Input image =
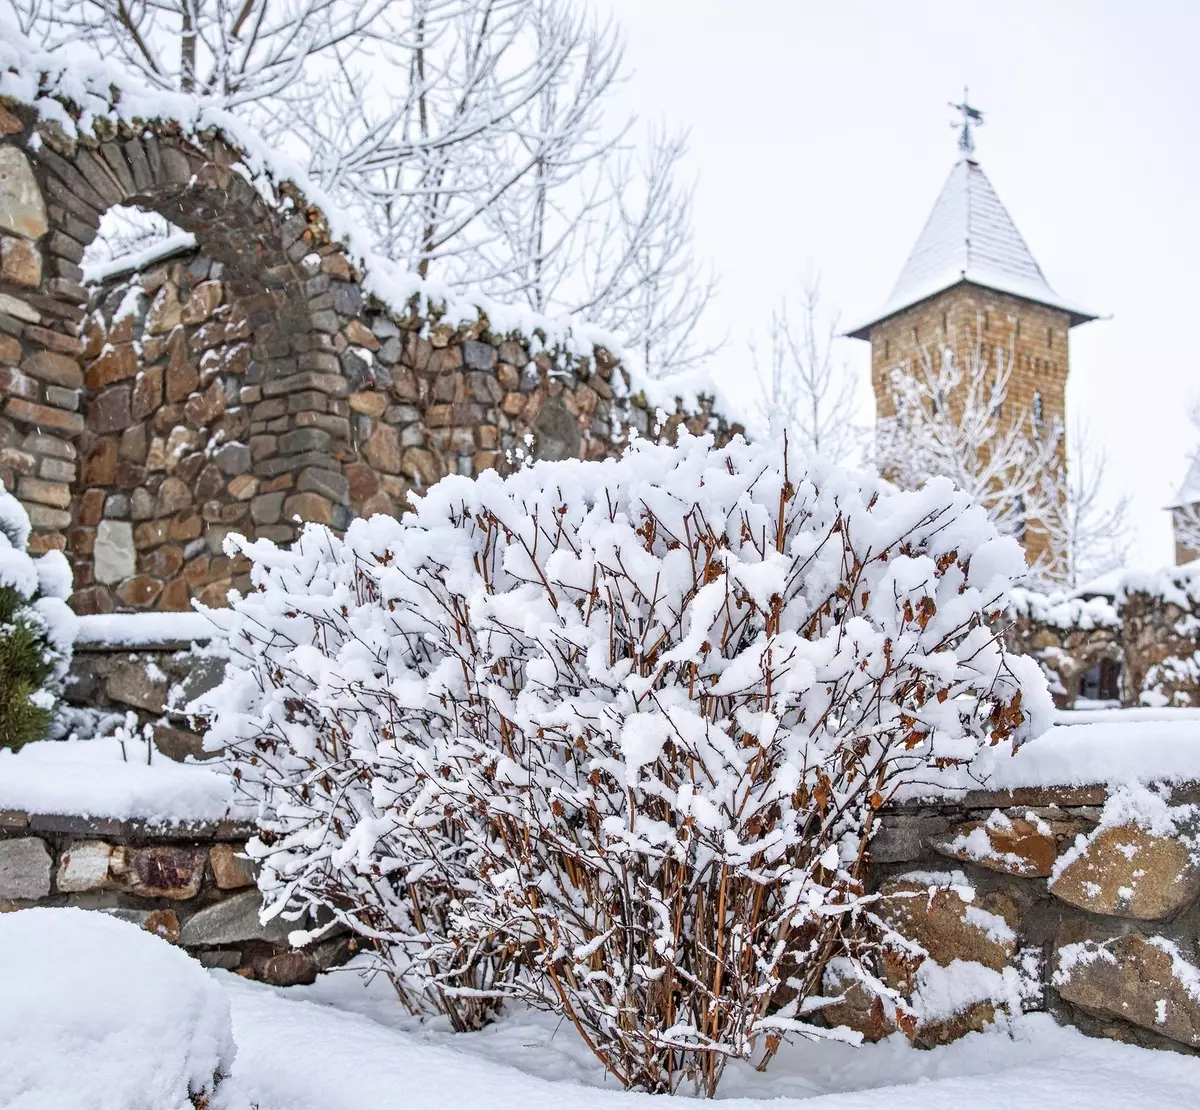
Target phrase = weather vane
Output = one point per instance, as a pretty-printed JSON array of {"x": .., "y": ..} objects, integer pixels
[{"x": 971, "y": 117}]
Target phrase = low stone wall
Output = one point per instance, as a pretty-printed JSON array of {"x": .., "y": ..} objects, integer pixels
[
  {"x": 153, "y": 680},
  {"x": 1100, "y": 925},
  {"x": 187, "y": 884}
]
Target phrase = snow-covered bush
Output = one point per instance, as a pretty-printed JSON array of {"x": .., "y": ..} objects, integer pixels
[
  {"x": 98, "y": 1012},
  {"x": 36, "y": 629},
  {"x": 628, "y": 722}
]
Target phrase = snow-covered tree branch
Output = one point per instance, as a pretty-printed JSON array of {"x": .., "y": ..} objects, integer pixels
[
  {"x": 952, "y": 416},
  {"x": 1088, "y": 532},
  {"x": 805, "y": 390},
  {"x": 477, "y": 140}
]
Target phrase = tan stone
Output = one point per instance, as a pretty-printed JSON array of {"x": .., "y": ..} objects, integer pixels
[
  {"x": 9, "y": 124},
  {"x": 22, "y": 209},
  {"x": 173, "y": 495},
  {"x": 361, "y": 336},
  {"x": 421, "y": 465},
  {"x": 1132, "y": 978},
  {"x": 371, "y": 404},
  {"x": 230, "y": 871},
  {"x": 165, "y": 311},
  {"x": 243, "y": 487},
  {"x": 20, "y": 262},
  {"x": 1128, "y": 872},
  {"x": 308, "y": 507},
  {"x": 201, "y": 303},
  {"x": 382, "y": 450},
  {"x": 1019, "y": 848},
  {"x": 114, "y": 364},
  {"x": 948, "y": 923}
]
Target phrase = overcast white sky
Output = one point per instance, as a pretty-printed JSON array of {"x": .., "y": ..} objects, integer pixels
[{"x": 820, "y": 137}]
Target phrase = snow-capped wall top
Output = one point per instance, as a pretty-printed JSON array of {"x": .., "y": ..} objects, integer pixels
[
  {"x": 1177, "y": 585},
  {"x": 1189, "y": 491},
  {"x": 1064, "y": 610},
  {"x": 970, "y": 236},
  {"x": 78, "y": 91}
]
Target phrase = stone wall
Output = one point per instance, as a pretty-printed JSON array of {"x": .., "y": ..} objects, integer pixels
[
  {"x": 188, "y": 884},
  {"x": 249, "y": 385},
  {"x": 1068, "y": 636},
  {"x": 1098, "y": 925},
  {"x": 1160, "y": 616}
]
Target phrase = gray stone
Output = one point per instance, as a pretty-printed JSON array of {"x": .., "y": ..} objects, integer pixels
[
  {"x": 325, "y": 482},
  {"x": 129, "y": 683},
  {"x": 24, "y": 869},
  {"x": 141, "y": 504},
  {"x": 478, "y": 356},
  {"x": 116, "y": 506},
  {"x": 303, "y": 439},
  {"x": 22, "y": 209},
  {"x": 556, "y": 433},
  {"x": 347, "y": 298},
  {"x": 267, "y": 508},
  {"x": 234, "y": 921},
  {"x": 203, "y": 673},
  {"x": 390, "y": 352},
  {"x": 413, "y": 435},
  {"x": 63, "y": 398},
  {"x": 113, "y": 555},
  {"x": 224, "y": 958},
  {"x": 233, "y": 458}
]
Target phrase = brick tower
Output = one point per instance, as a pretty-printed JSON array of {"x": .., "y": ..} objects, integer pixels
[{"x": 971, "y": 279}]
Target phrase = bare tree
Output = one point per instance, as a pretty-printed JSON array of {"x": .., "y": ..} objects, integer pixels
[
  {"x": 1185, "y": 513},
  {"x": 476, "y": 139},
  {"x": 805, "y": 390},
  {"x": 952, "y": 416},
  {"x": 1088, "y": 534},
  {"x": 237, "y": 53}
]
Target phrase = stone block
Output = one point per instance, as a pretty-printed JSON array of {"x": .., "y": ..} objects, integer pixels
[
  {"x": 20, "y": 198},
  {"x": 233, "y": 458},
  {"x": 234, "y": 921},
  {"x": 230, "y": 870},
  {"x": 308, "y": 507},
  {"x": 950, "y": 920},
  {"x": 267, "y": 508},
  {"x": 478, "y": 356},
  {"x": 128, "y": 681},
  {"x": 113, "y": 555},
  {"x": 160, "y": 871},
  {"x": 1143, "y": 980},
  {"x": 54, "y": 368},
  {"x": 20, "y": 262},
  {"x": 382, "y": 450},
  {"x": 109, "y": 411},
  {"x": 85, "y": 866},
  {"x": 1013, "y": 846},
  {"x": 25, "y": 867},
  {"x": 335, "y": 487},
  {"x": 1125, "y": 871}
]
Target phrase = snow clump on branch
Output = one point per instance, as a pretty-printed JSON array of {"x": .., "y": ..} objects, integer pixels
[{"x": 611, "y": 737}]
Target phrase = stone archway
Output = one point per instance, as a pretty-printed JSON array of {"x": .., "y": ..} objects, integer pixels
[{"x": 90, "y": 409}]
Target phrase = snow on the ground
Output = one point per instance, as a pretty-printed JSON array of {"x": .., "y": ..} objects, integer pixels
[
  {"x": 99, "y": 1013},
  {"x": 340, "y": 1045},
  {"x": 142, "y": 629},
  {"x": 96, "y": 778},
  {"x": 1097, "y": 747}
]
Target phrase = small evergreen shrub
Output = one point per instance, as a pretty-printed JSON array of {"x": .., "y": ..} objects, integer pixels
[
  {"x": 36, "y": 630},
  {"x": 611, "y": 738}
]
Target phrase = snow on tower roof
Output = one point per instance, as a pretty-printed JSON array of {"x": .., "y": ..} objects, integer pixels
[
  {"x": 1189, "y": 492},
  {"x": 969, "y": 237}
]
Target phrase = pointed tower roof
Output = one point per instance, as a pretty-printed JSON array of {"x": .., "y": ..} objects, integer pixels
[{"x": 970, "y": 237}]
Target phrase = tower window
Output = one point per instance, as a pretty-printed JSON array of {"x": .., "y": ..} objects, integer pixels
[{"x": 1050, "y": 338}]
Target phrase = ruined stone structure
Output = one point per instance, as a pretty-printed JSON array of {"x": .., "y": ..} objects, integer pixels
[
  {"x": 972, "y": 284},
  {"x": 250, "y": 384},
  {"x": 1137, "y": 644}
]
